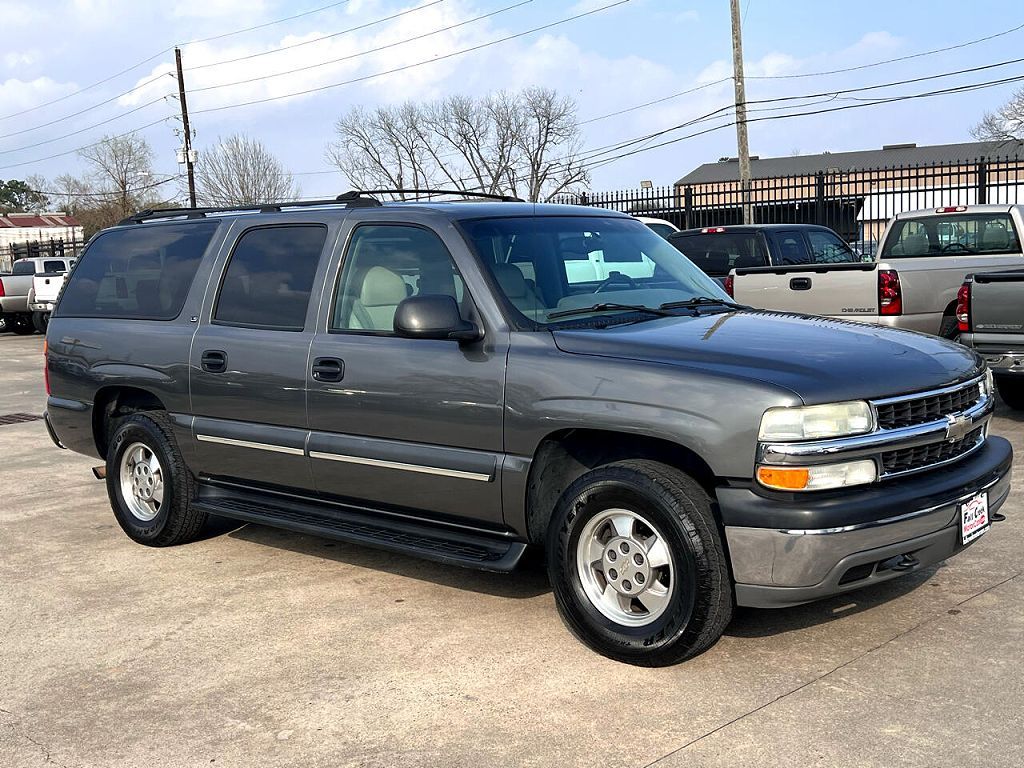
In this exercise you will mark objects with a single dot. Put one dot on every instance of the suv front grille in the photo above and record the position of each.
(924, 456)
(912, 411)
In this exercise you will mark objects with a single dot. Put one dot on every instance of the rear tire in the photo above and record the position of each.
(21, 324)
(150, 487)
(637, 565)
(1011, 389)
(41, 320)
(950, 328)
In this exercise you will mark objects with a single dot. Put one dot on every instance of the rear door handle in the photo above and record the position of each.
(800, 284)
(215, 361)
(329, 369)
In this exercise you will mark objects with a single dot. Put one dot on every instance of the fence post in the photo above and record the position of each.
(687, 206)
(583, 198)
(819, 197)
(982, 192)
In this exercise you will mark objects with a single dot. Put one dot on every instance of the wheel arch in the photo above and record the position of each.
(564, 455)
(118, 400)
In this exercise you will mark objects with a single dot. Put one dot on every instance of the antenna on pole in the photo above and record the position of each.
(741, 112)
(188, 153)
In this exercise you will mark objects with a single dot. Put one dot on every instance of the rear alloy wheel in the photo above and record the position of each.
(150, 487)
(636, 563)
(1011, 389)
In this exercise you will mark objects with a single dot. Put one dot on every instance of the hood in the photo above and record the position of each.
(819, 359)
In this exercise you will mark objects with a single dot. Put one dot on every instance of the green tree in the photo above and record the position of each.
(20, 197)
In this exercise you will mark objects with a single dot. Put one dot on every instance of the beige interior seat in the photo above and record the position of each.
(379, 296)
(513, 284)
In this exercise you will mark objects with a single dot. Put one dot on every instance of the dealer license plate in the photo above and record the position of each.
(974, 520)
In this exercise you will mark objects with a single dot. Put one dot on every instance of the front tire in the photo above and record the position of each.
(150, 487)
(1011, 389)
(637, 565)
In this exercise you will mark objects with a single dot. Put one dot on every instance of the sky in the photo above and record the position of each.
(72, 71)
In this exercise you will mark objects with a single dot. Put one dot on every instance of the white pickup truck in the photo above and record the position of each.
(17, 289)
(921, 263)
(46, 287)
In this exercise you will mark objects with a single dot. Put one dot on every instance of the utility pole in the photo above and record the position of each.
(741, 112)
(189, 163)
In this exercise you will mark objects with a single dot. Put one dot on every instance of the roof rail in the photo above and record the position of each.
(349, 199)
(428, 192)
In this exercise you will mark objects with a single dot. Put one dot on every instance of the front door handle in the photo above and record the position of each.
(328, 369)
(214, 361)
(800, 284)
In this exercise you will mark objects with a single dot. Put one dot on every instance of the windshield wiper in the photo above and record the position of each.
(701, 301)
(611, 305)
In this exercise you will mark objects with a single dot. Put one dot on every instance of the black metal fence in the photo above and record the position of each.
(855, 203)
(56, 248)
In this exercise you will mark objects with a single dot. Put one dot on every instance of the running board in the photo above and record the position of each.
(465, 548)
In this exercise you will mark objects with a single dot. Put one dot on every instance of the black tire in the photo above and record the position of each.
(40, 321)
(700, 604)
(177, 520)
(21, 324)
(1011, 389)
(950, 328)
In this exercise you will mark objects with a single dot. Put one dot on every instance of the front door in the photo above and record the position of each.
(413, 423)
(248, 362)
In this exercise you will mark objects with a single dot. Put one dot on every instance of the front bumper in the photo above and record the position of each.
(791, 549)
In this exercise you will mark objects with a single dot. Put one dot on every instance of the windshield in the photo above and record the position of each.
(957, 234)
(548, 265)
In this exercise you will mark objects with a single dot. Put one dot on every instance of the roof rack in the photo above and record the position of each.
(427, 192)
(353, 199)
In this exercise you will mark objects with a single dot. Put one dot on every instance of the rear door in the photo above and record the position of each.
(415, 423)
(249, 356)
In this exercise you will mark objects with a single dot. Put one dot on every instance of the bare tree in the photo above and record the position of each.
(1005, 124)
(505, 143)
(241, 171)
(121, 173)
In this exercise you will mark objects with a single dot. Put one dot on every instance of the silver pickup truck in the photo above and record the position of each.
(17, 288)
(990, 313)
(922, 261)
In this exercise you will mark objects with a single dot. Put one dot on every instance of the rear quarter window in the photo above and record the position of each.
(140, 273)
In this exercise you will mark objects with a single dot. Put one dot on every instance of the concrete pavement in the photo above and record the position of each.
(256, 647)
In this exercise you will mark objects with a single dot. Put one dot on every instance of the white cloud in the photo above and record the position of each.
(17, 95)
(18, 59)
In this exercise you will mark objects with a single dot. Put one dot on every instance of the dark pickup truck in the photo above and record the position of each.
(990, 313)
(441, 379)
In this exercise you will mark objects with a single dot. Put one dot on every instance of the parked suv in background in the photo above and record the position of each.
(719, 250)
(922, 260)
(441, 379)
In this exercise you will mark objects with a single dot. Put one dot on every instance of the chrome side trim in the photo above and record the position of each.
(250, 444)
(868, 445)
(458, 473)
(929, 393)
(889, 520)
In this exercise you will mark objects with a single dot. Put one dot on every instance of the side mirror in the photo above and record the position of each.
(433, 317)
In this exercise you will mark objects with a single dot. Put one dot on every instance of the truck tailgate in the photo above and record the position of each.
(997, 310)
(836, 290)
(47, 285)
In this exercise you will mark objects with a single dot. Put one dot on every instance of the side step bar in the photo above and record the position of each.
(468, 549)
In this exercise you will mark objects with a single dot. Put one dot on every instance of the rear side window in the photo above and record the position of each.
(142, 273)
(23, 268)
(270, 277)
(718, 252)
(988, 233)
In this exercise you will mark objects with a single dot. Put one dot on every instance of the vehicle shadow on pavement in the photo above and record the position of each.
(764, 622)
(528, 580)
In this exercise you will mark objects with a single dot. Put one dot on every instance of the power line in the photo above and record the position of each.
(360, 54)
(655, 101)
(891, 61)
(266, 24)
(66, 193)
(320, 39)
(415, 64)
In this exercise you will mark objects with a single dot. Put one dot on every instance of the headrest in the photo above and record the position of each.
(996, 238)
(381, 288)
(511, 280)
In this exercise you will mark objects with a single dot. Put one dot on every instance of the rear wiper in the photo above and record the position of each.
(610, 305)
(700, 301)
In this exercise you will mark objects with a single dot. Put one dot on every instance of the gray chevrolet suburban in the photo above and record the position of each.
(458, 381)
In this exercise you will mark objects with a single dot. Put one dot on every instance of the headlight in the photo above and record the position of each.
(814, 422)
(818, 477)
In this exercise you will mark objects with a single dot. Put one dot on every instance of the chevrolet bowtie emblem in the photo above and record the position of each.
(958, 427)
